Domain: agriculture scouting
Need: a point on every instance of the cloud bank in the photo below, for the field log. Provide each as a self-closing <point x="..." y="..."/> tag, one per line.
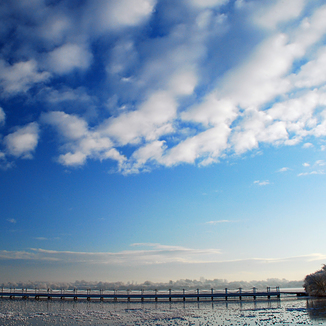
<point x="151" y="253"/>
<point x="161" y="262"/>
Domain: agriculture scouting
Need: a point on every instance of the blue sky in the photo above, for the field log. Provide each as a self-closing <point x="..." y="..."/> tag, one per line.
<point x="159" y="140"/>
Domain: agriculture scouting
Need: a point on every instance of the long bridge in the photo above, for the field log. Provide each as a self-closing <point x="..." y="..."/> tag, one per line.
<point x="147" y="295"/>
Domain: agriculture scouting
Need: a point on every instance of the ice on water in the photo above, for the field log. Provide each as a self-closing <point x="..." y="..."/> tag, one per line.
<point x="289" y="311"/>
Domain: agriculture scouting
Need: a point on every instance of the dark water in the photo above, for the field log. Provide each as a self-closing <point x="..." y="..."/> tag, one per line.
<point x="287" y="311"/>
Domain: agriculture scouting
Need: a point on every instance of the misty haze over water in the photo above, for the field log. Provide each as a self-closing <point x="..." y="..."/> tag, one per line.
<point x="179" y="284"/>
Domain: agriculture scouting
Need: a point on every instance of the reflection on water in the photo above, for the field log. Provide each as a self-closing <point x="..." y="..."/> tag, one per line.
<point x="288" y="311"/>
<point x="317" y="308"/>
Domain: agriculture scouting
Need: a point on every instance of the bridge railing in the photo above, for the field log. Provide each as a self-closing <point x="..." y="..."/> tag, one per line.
<point x="142" y="292"/>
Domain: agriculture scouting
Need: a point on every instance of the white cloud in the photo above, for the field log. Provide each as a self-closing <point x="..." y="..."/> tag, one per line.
<point x="312" y="28"/>
<point x="154" y="256"/>
<point x="174" y="109"/>
<point x="257" y="126"/>
<point x="4" y="163"/>
<point x="70" y="126"/>
<point x="283" y="169"/>
<point x="212" y="112"/>
<point x="262" y="183"/>
<point x="208" y="3"/>
<point x="307" y="145"/>
<point x="299" y="109"/>
<point x="21" y="76"/>
<point x="240" y="4"/>
<point x="260" y="79"/>
<point x="279" y="11"/>
<point x="183" y="82"/>
<point x="110" y="15"/>
<point x="81" y="143"/>
<point x="153" y="119"/>
<point x="252" y="85"/>
<point x="68" y="57"/>
<point x="12" y="220"/>
<point x="79" y="95"/>
<point x="312" y="73"/>
<point x="150" y="152"/>
<point x="218" y="222"/>
<point x="56" y="27"/>
<point x="311" y="173"/>
<point x="149" y="254"/>
<point x="123" y="57"/>
<point x="2" y="116"/>
<point x="23" y="141"/>
<point x="306" y="164"/>
<point x="206" y="147"/>
<point x="320" y="163"/>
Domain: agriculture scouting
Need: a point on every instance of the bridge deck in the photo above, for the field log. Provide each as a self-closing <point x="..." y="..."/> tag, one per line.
<point x="145" y="295"/>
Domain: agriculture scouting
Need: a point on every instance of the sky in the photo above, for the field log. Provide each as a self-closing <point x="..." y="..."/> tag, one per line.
<point x="161" y="140"/>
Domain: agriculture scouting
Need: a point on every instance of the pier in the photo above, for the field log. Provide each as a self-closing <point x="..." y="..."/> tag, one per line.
<point x="147" y="295"/>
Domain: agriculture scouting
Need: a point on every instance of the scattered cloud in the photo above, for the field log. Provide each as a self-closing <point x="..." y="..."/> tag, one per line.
<point x="283" y="169"/>
<point x="307" y="145"/>
<point x="69" y="57"/>
<point x="310" y="173"/>
<point x="21" y="76"/>
<point x="136" y="82"/>
<point x="12" y="220"/>
<point x="22" y="142"/>
<point x="320" y="163"/>
<point x="81" y="142"/>
<point x="114" y="15"/>
<point x="151" y="253"/>
<point x="279" y="11"/>
<point x="218" y="222"/>
<point x="2" y="117"/>
<point x="262" y="183"/>
<point x="208" y="3"/>
<point x="4" y="163"/>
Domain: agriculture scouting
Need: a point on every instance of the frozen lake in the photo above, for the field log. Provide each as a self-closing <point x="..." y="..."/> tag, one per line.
<point x="287" y="311"/>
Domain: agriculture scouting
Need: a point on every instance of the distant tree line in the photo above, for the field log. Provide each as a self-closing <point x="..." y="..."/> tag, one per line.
<point x="315" y="283"/>
<point x="186" y="284"/>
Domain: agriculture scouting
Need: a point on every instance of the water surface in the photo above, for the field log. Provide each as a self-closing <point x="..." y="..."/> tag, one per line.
<point x="286" y="311"/>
